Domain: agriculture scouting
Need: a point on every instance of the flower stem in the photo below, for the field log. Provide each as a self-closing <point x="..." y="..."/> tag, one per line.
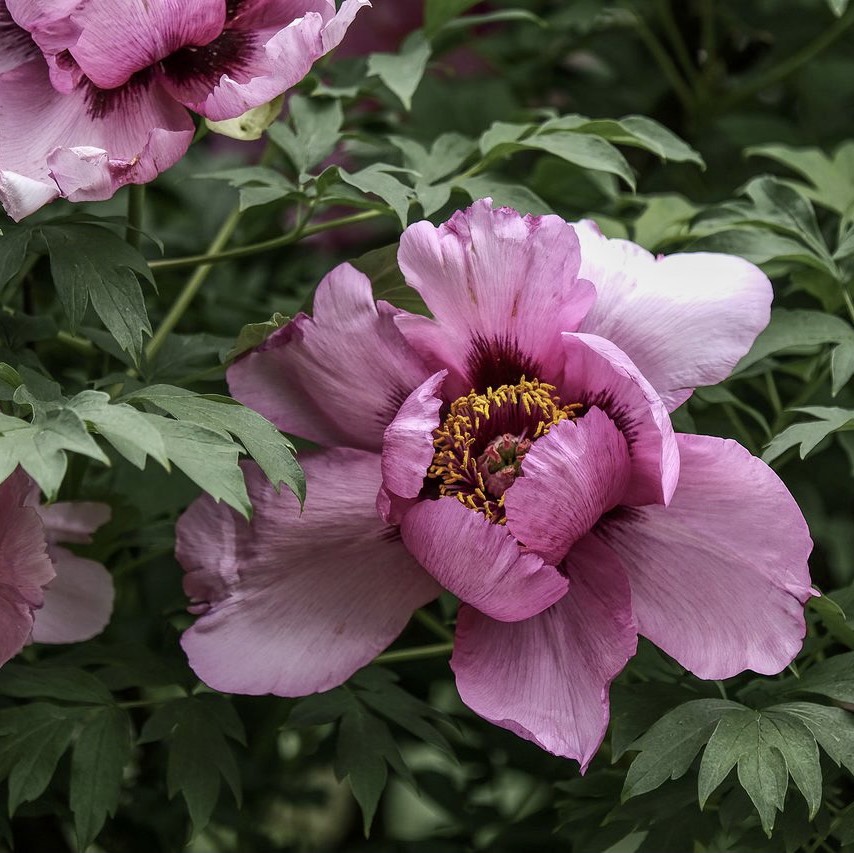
<point x="428" y="620"/>
<point x="215" y="256"/>
<point x="136" y="214"/>
<point x="418" y="653"/>
<point x="191" y="288"/>
<point x="671" y="30"/>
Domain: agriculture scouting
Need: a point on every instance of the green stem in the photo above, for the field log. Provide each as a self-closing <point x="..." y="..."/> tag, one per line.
<point x="82" y="345"/>
<point x="740" y="427"/>
<point x="26" y="268"/>
<point x="214" y="256"/>
<point x="136" y="214"/>
<point x="671" y="30"/>
<point x="418" y="653"/>
<point x="661" y="56"/>
<point x="773" y="393"/>
<point x="788" y="66"/>
<point x="191" y="288"/>
<point x="428" y="620"/>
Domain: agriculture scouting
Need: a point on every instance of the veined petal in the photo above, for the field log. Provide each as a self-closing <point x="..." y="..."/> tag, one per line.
<point x="599" y="374"/>
<point x="83" y="145"/>
<point x="502" y="287"/>
<point x="337" y="378"/>
<point x="16" y="44"/>
<point x="293" y="603"/>
<point x="572" y="476"/>
<point x="73" y="521"/>
<point x="246" y="66"/>
<point x="719" y="578"/>
<point x="479" y="562"/>
<point x="547" y="678"/>
<point x="685" y="320"/>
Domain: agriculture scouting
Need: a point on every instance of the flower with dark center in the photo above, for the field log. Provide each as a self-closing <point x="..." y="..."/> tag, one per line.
<point x="516" y="450"/>
<point x="94" y="93"/>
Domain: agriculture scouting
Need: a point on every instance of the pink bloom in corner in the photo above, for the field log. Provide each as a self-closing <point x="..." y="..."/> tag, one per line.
<point x="515" y="449"/>
<point x="94" y="93"/>
<point x="47" y="593"/>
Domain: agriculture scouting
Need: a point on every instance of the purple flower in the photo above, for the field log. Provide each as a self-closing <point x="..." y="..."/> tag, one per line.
<point x="47" y="593"/>
<point x="516" y="449"/>
<point x="93" y="93"/>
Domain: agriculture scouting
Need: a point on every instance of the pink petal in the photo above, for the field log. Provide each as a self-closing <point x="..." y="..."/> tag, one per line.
<point x="83" y="145"/>
<point x="77" y="602"/>
<point x="572" y="476"/>
<point x="25" y="568"/>
<point x="338" y="378"/>
<point x="599" y="374"/>
<point x="245" y="68"/>
<point x="408" y="440"/>
<point x="502" y="288"/>
<point x="48" y="21"/>
<point x="120" y="37"/>
<point x="685" y="320"/>
<point x="479" y="562"/>
<point x="719" y="577"/>
<point x="547" y="678"/>
<point x="295" y="603"/>
<point x="73" y="521"/>
<point x="16" y="44"/>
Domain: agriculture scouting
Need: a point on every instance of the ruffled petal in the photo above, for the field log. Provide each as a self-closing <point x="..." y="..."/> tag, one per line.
<point x="572" y="476"/>
<point x="338" y="378"/>
<point x="83" y="145"/>
<point x="599" y="374"/>
<point x="546" y="679"/>
<point x="719" y="577"/>
<point x="245" y="67"/>
<point x="73" y="521"/>
<point x="77" y="602"/>
<point x="294" y="603"/>
<point x="685" y="320"/>
<point x="479" y="562"/>
<point x="502" y="287"/>
<point x="117" y="38"/>
<point x="25" y="568"/>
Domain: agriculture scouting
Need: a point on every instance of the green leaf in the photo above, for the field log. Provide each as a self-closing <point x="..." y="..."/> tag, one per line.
<point x="100" y="754"/>
<point x="257" y="185"/>
<point x="503" y="194"/>
<point x="833" y="728"/>
<point x="670" y="746"/>
<point x="25" y="681"/>
<point x="809" y="435"/>
<point x="376" y="179"/>
<point x="664" y="216"/>
<point x="254" y="334"/>
<point x="833" y="677"/>
<point x="89" y="262"/>
<point x="838" y="7"/>
<point x="402" y="72"/>
<point x="223" y="415"/>
<point x="316" y="131"/>
<point x="32" y="740"/>
<point x="197" y="729"/>
<point x="438" y="12"/>
<point x="387" y="282"/>
<point x="14" y="243"/>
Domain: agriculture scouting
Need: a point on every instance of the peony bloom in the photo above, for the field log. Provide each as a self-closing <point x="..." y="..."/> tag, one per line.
<point x="48" y="594"/>
<point x="94" y="93"/>
<point x="516" y="449"/>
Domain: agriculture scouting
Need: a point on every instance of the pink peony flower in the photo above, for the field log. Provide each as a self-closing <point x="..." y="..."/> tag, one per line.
<point x="515" y="449"/>
<point x="47" y="593"/>
<point x="93" y="93"/>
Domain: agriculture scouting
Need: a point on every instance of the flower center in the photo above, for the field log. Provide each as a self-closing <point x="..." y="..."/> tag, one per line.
<point x="483" y="440"/>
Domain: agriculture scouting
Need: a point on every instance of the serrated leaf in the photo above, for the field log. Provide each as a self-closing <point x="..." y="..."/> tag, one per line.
<point x="670" y="746"/>
<point x="89" y="262"/>
<point x="14" y="243"/>
<point x="257" y="185"/>
<point x="387" y="282"/>
<point x="24" y="681"/>
<point x="375" y="179"/>
<point x="100" y="754"/>
<point x="833" y="728"/>
<point x="503" y="194"/>
<point x="254" y="334"/>
<point x="316" y="131"/>
<point x="809" y="435"/>
<point x="833" y="677"/>
<point x="402" y="72"/>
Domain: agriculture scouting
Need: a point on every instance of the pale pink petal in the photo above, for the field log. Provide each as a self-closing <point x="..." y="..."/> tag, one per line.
<point x="120" y="37"/>
<point x="719" y="577"/>
<point x="73" y="521"/>
<point x="572" y="476"/>
<point x="83" y="145"/>
<point x="245" y="68"/>
<point x="600" y="374"/>
<point x="479" y="562"/>
<point x="77" y="602"/>
<point x="547" y="678"/>
<point x="16" y="44"/>
<point x="48" y="21"/>
<point x="25" y="568"/>
<point x="685" y="320"/>
<point x="408" y="440"/>
<point x="338" y="378"/>
<point x="502" y="287"/>
<point x="292" y="603"/>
